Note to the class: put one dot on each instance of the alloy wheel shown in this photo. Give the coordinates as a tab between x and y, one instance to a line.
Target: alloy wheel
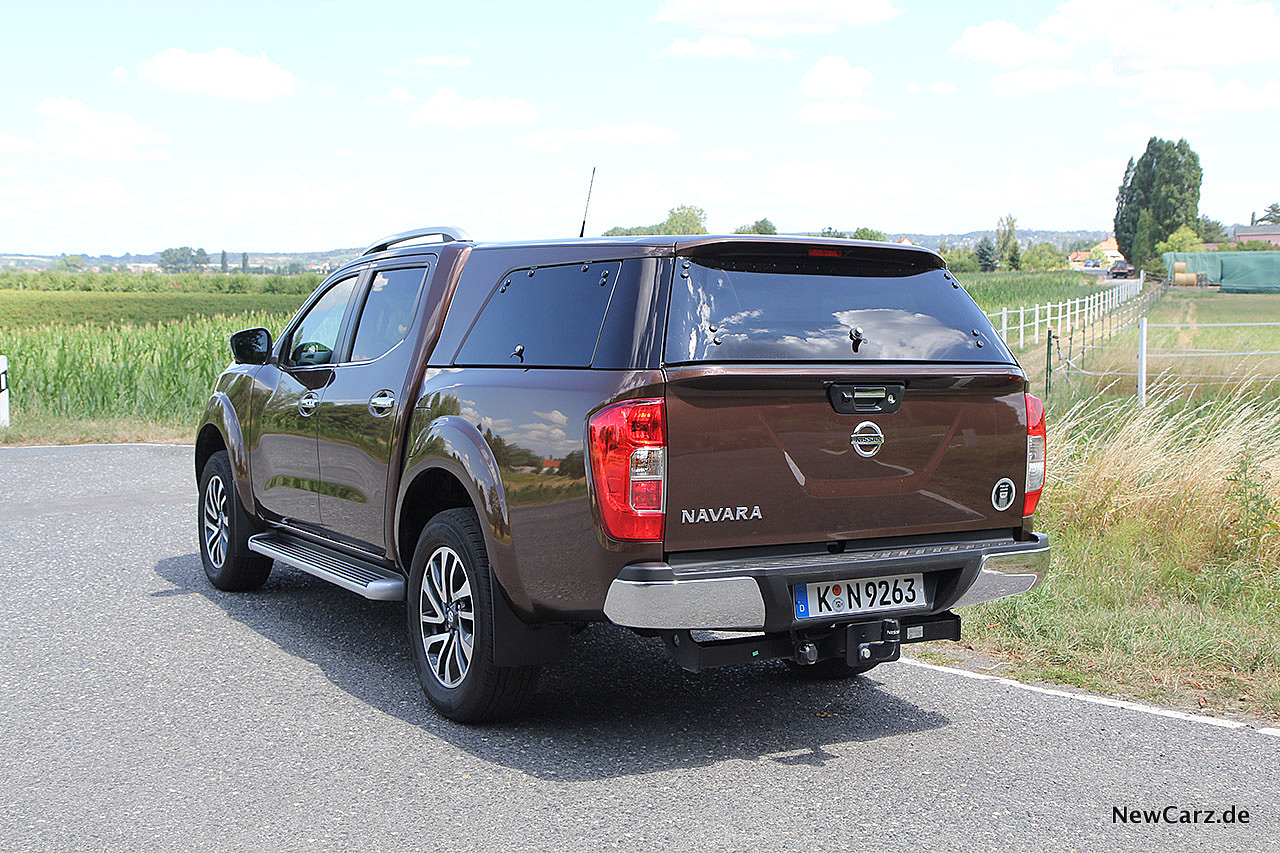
448	617
216	526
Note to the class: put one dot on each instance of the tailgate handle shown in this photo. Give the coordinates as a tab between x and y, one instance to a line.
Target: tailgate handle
882	399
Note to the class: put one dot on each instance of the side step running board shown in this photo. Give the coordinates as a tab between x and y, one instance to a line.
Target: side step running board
359	576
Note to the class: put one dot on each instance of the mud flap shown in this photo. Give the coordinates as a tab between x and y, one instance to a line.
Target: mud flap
516	642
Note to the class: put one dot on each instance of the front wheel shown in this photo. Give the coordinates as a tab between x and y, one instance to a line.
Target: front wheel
224	529
451	625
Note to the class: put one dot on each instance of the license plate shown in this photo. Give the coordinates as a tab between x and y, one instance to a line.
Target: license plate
862	595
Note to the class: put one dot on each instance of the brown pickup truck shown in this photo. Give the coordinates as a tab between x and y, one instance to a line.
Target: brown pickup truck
752	448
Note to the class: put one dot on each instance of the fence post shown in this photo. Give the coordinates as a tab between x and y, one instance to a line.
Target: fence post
1035	324
1048	360
1004	324
1142	277
4	391
1022	326
1142	362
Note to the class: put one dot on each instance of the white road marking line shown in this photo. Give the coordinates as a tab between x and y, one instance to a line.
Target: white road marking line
99	445
1094	700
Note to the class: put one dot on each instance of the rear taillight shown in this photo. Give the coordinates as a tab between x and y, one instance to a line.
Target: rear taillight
1035	455
628	443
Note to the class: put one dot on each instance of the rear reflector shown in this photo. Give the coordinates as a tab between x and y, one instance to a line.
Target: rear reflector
629	468
1036	460
824	253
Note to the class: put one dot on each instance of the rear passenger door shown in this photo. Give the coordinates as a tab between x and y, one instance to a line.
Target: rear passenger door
356	419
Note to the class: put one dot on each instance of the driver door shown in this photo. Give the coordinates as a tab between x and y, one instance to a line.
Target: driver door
284	464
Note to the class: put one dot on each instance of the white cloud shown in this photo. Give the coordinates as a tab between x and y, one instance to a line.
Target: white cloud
1005	44
1035	78
712	46
636	133
1149	34
14	145
1134	133
834	77
1182	94
942	87
219	73
769	19
119	75
437	62
447	108
726	155
78	130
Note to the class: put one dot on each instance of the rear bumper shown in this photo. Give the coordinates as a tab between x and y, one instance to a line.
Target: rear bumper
755	593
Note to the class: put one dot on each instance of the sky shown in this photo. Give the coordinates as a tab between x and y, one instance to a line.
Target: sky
277	126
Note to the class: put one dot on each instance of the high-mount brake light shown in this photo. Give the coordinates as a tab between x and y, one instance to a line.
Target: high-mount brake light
824	253
1036	447
628	443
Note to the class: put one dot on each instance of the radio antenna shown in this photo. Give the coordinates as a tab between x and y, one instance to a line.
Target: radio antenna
583	232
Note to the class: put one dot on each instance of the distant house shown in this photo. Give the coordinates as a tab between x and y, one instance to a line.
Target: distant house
1110	248
1078	257
903	241
1264	232
553	464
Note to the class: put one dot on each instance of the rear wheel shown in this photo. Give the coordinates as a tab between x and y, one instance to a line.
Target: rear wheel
224	529
451	625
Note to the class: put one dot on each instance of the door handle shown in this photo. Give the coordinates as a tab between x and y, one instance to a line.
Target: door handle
307	403
380	404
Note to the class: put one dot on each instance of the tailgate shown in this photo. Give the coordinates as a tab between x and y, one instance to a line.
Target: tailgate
762	456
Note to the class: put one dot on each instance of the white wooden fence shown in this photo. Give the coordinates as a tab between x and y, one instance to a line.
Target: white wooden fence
1025	322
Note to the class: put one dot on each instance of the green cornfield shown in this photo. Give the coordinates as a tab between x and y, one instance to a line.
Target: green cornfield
996	290
159	372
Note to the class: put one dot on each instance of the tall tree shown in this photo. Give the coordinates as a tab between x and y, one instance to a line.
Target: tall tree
244	262
224	260
1165	180
177	259
1211	230
200	258
760	226
1144	239
1007	240
865	233
1271	214
986	253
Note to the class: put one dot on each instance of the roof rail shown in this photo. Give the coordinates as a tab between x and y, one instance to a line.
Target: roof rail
448	232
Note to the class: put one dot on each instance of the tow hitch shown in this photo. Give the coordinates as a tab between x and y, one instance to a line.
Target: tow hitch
859	643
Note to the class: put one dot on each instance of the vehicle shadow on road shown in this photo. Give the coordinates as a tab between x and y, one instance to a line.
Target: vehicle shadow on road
615	706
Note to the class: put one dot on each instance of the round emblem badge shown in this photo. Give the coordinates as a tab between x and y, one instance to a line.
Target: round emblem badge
1003	494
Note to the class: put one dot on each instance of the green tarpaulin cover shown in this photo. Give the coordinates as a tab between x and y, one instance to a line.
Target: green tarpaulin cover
1237	272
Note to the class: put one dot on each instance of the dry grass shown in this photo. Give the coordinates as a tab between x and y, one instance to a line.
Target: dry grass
1165	583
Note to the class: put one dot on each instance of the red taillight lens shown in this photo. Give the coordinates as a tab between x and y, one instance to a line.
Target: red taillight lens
628	443
1036	447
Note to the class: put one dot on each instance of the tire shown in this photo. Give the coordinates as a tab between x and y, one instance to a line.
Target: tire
223	528
831	669
451	625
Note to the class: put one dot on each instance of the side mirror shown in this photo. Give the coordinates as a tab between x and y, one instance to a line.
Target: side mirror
252	346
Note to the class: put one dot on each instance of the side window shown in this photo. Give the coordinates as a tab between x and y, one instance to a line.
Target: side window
388	310
315	337
542	317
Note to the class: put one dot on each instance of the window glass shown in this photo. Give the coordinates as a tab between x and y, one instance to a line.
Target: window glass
543	317
315	337
387	312
762	310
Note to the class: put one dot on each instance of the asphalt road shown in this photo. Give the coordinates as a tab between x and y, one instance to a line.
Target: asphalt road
143	709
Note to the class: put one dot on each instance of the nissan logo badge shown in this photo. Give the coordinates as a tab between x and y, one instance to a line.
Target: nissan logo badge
867	439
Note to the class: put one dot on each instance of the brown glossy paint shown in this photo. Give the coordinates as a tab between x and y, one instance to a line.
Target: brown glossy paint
547	547
742	437
283	465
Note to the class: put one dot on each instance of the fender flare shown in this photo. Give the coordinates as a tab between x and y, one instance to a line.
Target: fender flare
452	444
221	414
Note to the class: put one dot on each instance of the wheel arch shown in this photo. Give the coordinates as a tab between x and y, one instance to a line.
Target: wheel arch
220	430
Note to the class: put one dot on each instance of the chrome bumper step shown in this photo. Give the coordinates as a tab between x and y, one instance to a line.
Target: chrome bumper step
351	573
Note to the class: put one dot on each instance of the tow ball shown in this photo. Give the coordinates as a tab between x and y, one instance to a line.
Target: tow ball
874	642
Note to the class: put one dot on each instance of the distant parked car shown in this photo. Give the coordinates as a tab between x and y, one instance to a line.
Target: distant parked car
1120	270
1092	264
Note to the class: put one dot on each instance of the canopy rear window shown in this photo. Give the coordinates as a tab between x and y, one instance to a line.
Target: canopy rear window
801	307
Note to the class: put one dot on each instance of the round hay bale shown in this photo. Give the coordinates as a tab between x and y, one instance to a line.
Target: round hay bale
1184	279
1179	266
